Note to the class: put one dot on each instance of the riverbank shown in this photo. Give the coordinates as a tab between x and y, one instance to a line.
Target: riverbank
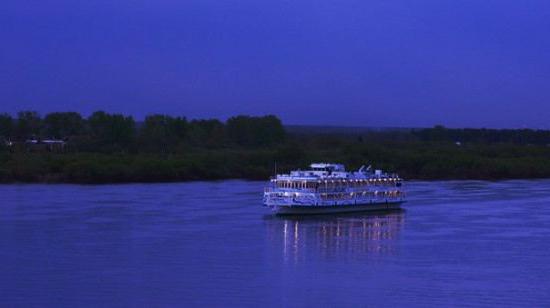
416	160
113	148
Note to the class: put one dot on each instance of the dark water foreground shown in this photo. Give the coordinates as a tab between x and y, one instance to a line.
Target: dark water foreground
212	244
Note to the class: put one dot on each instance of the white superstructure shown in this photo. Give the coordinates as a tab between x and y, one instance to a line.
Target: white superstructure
330	188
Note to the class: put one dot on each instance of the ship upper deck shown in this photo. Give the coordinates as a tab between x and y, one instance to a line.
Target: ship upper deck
321	172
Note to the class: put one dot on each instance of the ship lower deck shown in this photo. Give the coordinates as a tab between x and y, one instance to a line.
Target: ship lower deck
308	210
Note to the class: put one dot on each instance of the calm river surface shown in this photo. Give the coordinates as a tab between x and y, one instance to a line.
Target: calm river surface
457	243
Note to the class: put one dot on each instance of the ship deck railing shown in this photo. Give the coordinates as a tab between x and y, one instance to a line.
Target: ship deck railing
323	190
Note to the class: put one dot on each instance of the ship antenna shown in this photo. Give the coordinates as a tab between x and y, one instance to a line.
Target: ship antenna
275	168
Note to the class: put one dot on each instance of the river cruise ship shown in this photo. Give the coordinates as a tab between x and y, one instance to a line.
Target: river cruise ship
329	188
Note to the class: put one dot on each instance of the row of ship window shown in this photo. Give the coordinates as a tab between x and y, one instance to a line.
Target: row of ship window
332	184
337	196
377	194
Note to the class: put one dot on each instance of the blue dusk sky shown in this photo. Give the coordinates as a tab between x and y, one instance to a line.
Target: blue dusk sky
460	63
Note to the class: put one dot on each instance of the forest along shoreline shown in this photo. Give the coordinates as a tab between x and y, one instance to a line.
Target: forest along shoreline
65	147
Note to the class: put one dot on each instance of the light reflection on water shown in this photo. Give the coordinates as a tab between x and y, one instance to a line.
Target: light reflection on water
335	237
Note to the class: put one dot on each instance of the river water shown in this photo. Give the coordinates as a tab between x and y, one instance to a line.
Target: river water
457	243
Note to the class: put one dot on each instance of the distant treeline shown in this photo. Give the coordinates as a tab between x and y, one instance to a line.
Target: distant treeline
483	135
436	134
104	148
114	133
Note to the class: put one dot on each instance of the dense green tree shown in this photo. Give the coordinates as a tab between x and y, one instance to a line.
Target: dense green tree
162	133
207	133
112	131
63	124
6	126
28	124
255	131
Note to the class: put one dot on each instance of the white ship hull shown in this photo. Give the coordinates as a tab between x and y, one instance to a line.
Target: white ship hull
308	210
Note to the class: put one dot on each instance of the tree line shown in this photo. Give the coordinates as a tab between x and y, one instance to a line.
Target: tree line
104	148
436	134
525	136
105	132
